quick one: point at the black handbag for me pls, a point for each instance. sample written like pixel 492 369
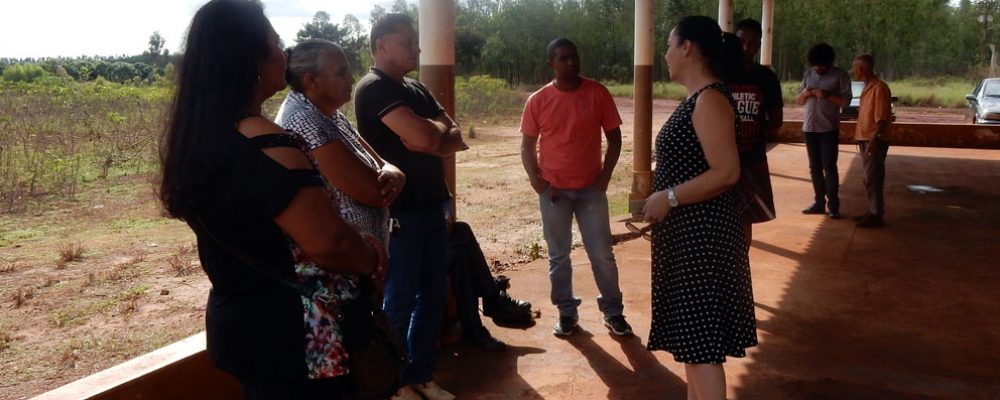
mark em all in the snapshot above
pixel 376 358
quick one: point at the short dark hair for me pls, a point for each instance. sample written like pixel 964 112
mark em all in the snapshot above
pixel 749 25
pixel 556 44
pixel 867 59
pixel 821 54
pixel 387 25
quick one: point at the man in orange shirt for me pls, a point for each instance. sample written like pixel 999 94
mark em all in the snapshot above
pixel 874 121
pixel 565 117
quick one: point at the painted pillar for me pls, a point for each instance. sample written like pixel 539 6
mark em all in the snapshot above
pixel 437 64
pixel 767 23
pixel 726 15
pixel 642 100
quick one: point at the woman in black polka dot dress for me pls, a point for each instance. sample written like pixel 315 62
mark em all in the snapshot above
pixel 702 298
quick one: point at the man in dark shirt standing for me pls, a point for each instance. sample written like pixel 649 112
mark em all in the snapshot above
pixel 403 122
pixel 757 92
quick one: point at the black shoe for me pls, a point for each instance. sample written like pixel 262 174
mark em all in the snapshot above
pixel 861 217
pixel 618 325
pixel 502 282
pixel 504 305
pixel 815 208
pixel 482 339
pixel 566 326
pixel 835 215
pixel 872 221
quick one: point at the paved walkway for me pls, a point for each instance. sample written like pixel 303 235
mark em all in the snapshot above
pixel 906 312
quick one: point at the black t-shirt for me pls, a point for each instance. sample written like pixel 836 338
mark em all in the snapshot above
pixel 375 96
pixel 755 91
pixel 254 324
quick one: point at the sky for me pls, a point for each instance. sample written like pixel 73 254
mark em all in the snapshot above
pixel 70 28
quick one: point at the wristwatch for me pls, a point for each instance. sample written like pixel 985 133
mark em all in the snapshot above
pixel 672 198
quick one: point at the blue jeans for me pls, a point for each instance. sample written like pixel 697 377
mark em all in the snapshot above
pixel 415 287
pixel 590 206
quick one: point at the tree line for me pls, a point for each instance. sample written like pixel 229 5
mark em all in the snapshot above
pixel 908 38
pixel 507 38
pixel 153 64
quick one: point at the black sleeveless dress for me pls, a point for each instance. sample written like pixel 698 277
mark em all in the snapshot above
pixel 702 298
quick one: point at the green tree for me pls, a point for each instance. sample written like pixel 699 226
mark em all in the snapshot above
pixel 355 43
pixel 23 73
pixel 321 28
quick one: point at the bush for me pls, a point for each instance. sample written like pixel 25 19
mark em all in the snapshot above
pixel 482 96
pixel 56 134
pixel 23 73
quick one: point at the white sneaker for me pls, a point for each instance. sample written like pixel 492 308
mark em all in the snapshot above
pixel 406 393
pixel 432 391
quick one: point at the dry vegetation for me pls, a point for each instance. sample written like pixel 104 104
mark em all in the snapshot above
pixel 92 274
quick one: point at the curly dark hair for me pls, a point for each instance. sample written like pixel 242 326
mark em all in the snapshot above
pixel 821 54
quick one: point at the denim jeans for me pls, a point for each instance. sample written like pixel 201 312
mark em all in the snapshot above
pixel 415 287
pixel 823 151
pixel 590 206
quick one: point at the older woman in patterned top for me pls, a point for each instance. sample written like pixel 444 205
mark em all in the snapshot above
pixel 359 182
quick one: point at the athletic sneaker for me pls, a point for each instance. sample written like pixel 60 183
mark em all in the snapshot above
pixel 618 325
pixel 566 326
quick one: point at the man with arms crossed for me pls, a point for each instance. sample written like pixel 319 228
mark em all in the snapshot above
pixel 403 122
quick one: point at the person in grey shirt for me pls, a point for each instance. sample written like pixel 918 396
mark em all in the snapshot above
pixel 824 89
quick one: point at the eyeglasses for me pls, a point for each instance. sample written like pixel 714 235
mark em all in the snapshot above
pixel 643 231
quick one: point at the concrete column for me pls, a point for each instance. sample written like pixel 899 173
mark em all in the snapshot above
pixel 766 39
pixel 437 63
pixel 726 15
pixel 642 99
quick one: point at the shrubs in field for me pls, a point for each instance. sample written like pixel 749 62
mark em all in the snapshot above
pixel 56 133
pixel 23 73
pixel 482 96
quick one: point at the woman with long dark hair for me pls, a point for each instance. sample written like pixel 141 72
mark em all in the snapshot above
pixel 702 299
pixel 246 189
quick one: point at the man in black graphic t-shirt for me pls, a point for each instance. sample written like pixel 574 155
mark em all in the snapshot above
pixel 757 93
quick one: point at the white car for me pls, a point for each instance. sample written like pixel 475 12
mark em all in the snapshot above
pixel 985 102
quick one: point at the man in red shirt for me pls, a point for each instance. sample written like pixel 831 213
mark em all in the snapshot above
pixel 561 152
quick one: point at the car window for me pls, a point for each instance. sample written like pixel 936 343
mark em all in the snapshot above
pixel 991 89
pixel 856 88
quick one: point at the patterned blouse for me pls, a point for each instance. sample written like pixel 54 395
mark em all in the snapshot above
pixel 325 353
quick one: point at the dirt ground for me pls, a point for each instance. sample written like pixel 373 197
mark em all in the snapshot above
pixel 89 282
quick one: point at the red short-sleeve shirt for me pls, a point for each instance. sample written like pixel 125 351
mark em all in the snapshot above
pixel 569 125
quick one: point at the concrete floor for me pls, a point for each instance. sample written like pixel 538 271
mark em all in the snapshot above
pixel 910 311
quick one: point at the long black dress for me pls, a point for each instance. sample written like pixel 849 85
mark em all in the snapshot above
pixel 702 298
